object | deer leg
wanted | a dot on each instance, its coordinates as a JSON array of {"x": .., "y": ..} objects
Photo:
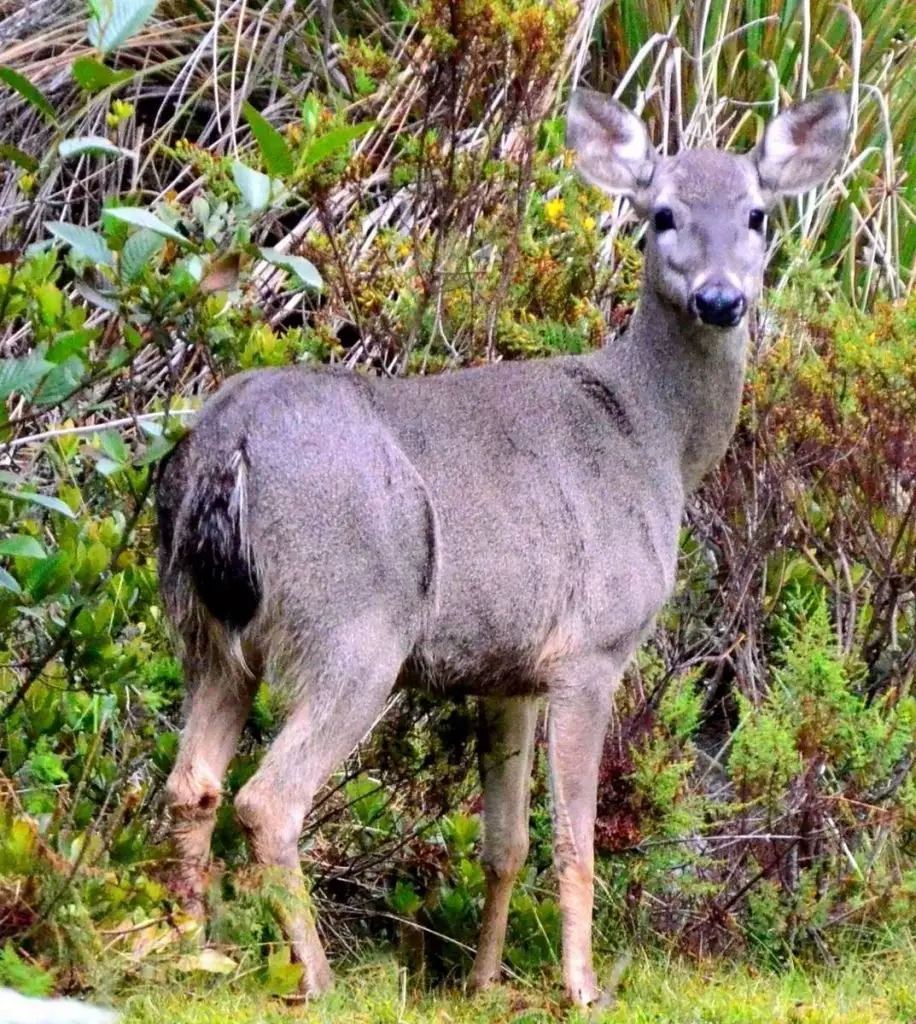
[
  {"x": 216, "y": 715},
  {"x": 579, "y": 713},
  {"x": 338, "y": 706},
  {"x": 506, "y": 753}
]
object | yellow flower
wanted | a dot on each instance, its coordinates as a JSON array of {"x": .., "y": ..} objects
[
  {"x": 120, "y": 111},
  {"x": 553, "y": 210},
  {"x": 588, "y": 223}
]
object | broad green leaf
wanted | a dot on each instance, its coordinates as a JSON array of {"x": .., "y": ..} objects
[
  {"x": 91, "y": 144},
  {"x": 152, "y": 428},
  {"x": 50, "y": 300},
  {"x": 113, "y": 22},
  {"x": 276, "y": 152},
  {"x": 21, "y": 376},
  {"x": 83, "y": 241},
  {"x": 254, "y": 186},
  {"x": 61, "y": 382},
  {"x": 117, "y": 358},
  {"x": 18, "y": 157},
  {"x": 304, "y": 269},
  {"x": 114, "y": 447},
  {"x": 144, "y": 219},
  {"x": 71, "y": 343},
  {"x": 19, "y": 83},
  {"x": 21, "y": 545},
  {"x": 160, "y": 447},
  {"x": 94, "y": 76},
  {"x": 336, "y": 140},
  {"x": 49, "y": 576},
  {"x": 45, "y": 500},
  {"x": 108, "y": 467},
  {"x": 138, "y": 251},
  {"x": 8, "y": 582}
]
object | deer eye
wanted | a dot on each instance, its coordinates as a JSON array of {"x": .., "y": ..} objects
[
  {"x": 755, "y": 220},
  {"x": 663, "y": 220}
]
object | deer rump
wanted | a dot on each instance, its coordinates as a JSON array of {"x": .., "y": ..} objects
[{"x": 305, "y": 500}]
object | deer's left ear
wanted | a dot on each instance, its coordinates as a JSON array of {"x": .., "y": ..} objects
[{"x": 803, "y": 145}]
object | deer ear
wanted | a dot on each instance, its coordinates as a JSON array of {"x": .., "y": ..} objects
[
  {"x": 612, "y": 145},
  {"x": 803, "y": 145}
]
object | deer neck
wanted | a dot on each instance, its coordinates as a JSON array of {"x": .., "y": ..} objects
[{"x": 687, "y": 378}]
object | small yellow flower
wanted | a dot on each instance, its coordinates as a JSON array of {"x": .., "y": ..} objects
[
  {"x": 120, "y": 111},
  {"x": 26, "y": 183},
  {"x": 553, "y": 211},
  {"x": 588, "y": 223}
]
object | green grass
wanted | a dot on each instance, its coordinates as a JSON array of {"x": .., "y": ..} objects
[{"x": 653, "y": 991}]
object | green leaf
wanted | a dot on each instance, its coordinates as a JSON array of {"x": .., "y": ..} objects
[
  {"x": 50, "y": 301},
  {"x": 304, "y": 269},
  {"x": 18, "y": 157},
  {"x": 276, "y": 152},
  {"x": 107, "y": 467},
  {"x": 254, "y": 186},
  {"x": 45, "y": 500},
  {"x": 21, "y": 545},
  {"x": 8, "y": 582},
  {"x": 21, "y": 376},
  {"x": 114, "y": 447},
  {"x": 138, "y": 250},
  {"x": 94, "y": 76},
  {"x": 144, "y": 219},
  {"x": 91, "y": 144},
  {"x": 71, "y": 343},
  {"x": 31, "y": 93},
  {"x": 50, "y": 576},
  {"x": 113, "y": 22},
  {"x": 336, "y": 140},
  {"x": 83, "y": 241},
  {"x": 61, "y": 382},
  {"x": 404, "y": 899},
  {"x": 160, "y": 447}
]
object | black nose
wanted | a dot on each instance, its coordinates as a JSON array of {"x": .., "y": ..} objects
[{"x": 719, "y": 305}]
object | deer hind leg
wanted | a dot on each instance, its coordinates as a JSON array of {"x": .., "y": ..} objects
[
  {"x": 338, "y": 703},
  {"x": 579, "y": 712},
  {"x": 506, "y": 752},
  {"x": 217, "y": 707}
]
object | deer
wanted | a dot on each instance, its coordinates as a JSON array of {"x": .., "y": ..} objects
[{"x": 507, "y": 532}]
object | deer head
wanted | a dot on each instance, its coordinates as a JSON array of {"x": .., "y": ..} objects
[{"x": 706, "y": 208}]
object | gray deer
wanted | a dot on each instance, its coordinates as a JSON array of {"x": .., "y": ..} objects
[{"x": 507, "y": 531}]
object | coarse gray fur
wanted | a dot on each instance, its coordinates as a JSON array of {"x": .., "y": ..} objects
[{"x": 507, "y": 531}]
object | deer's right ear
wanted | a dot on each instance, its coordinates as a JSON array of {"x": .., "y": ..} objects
[{"x": 612, "y": 146}]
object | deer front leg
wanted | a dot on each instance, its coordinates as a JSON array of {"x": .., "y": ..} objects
[
  {"x": 579, "y": 713},
  {"x": 506, "y": 752}
]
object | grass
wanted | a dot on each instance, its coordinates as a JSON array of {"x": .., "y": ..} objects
[{"x": 653, "y": 991}]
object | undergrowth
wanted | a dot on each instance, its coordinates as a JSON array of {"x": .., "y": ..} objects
[{"x": 198, "y": 189}]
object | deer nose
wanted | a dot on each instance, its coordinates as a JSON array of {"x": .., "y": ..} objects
[{"x": 719, "y": 305}]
